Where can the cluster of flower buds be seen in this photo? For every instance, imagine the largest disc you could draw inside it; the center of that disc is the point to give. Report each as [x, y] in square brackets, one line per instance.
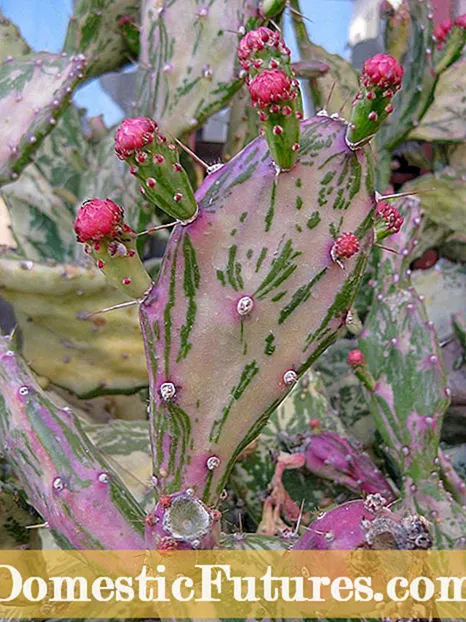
[154, 160]
[380, 80]
[388, 220]
[274, 91]
[100, 226]
[261, 47]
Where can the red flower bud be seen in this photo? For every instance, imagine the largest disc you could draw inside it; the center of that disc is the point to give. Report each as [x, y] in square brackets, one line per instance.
[460, 21]
[133, 134]
[269, 87]
[355, 358]
[383, 71]
[97, 219]
[389, 213]
[346, 245]
[441, 32]
[255, 40]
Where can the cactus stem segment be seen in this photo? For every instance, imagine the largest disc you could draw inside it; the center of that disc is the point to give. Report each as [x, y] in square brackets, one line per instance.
[380, 80]
[274, 92]
[100, 226]
[154, 161]
[450, 39]
[361, 370]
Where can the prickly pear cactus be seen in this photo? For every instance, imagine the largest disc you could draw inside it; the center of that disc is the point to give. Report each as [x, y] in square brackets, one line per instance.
[254, 274]
[306, 408]
[11, 42]
[215, 325]
[61, 471]
[92, 354]
[401, 367]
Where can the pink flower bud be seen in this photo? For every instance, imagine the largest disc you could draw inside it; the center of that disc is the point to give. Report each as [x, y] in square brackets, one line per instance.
[97, 219]
[355, 358]
[460, 21]
[441, 32]
[390, 215]
[269, 87]
[346, 245]
[383, 71]
[254, 41]
[133, 134]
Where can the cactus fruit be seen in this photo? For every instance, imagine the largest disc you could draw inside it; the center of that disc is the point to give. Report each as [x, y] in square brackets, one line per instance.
[100, 226]
[365, 524]
[68, 482]
[380, 80]
[331, 456]
[154, 160]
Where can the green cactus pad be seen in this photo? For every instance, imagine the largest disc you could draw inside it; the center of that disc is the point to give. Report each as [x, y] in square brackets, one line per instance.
[11, 42]
[94, 31]
[187, 62]
[34, 92]
[66, 479]
[102, 354]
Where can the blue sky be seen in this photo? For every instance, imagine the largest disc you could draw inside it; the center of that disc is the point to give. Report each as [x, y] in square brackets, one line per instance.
[43, 24]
